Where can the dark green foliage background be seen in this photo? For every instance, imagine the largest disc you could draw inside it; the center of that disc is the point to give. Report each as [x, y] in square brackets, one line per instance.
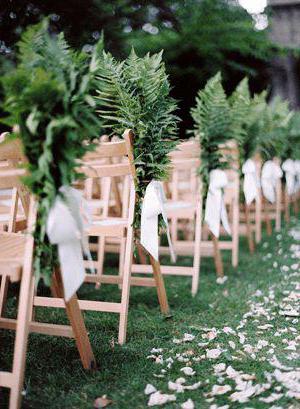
[200, 37]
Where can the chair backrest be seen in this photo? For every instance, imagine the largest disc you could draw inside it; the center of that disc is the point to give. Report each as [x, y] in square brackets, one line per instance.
[93, 168]
[11, 160]
[230, 153]
[112, 163]
[184, 180]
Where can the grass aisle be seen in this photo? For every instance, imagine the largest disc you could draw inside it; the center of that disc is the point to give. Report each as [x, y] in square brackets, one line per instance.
[236, 345]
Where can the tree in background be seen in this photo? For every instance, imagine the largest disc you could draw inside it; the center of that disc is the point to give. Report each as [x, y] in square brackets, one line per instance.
[200, 37]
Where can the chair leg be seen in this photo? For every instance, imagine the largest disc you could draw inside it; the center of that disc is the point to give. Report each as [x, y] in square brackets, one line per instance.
[122, 258]
[141, 253]
[125, 288]
[286, 207]
[235, 232]
[267, 220]
[217, 257]
[258, 215]
[21, 341]
[160, 286]
[77, 323]
[197, 254]
[3, 293]
[278, 206]
[249, 230]
[100, 259]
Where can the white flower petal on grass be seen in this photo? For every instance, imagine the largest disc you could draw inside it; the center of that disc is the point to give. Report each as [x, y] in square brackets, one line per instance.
[220, 390]
[219, 367]
[290, 313]
[159, 360]
[232, 373]
[188, 337]
[262, 343]
[274, 362]
[149, 389]
[158, 399]
[177, 387]
[214, 406]
[187, 370]
[193, 387]
[266, 326]
[156, 351]
[221, 280]
[242, 396]
[272, 398]
[213, 353]
[189, 404]
[241, 337]
[229, 330]
[203, 344]
[231, 344]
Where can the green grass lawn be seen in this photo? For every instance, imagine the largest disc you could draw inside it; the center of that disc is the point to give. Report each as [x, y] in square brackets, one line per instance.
[261, 285]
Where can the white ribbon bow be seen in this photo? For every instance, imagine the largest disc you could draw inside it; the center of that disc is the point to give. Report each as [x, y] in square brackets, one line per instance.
[297, 168]
[290, 175]
[152, 207]
[215, 209]
[250, 181]
[65, 227]
[270, 173]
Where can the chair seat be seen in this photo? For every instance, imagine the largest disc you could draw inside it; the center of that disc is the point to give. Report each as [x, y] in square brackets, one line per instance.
[179, 208]
[20, 224]
[12, 255]
[172, 205]
[113, 226]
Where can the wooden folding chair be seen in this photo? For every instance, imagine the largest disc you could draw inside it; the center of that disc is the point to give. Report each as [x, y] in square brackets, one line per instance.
[16, 256]
[213, 247]
[184, 211]
[251, 215]
[105, 227]
[273, 211]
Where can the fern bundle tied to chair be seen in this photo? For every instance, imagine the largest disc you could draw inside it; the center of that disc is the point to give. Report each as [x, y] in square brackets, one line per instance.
[215, 124]
[49, 96]
[135, 94]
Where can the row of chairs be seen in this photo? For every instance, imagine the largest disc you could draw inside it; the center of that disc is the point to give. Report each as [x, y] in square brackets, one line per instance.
[109, 189]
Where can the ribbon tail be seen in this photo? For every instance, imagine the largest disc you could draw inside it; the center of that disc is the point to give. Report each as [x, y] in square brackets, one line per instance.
[224, 218]
[87, 253]
[213, 212]
[163, 200]
[250, 188]
[268, 190]
[290, 183]
[149, 235]
[72, 267]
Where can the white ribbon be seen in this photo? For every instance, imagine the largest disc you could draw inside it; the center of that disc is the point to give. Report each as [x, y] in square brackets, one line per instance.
[65, 227]
[297, 168]
[290, 175]
[152, 207]
[250, 181]
[215, 209]
[270, 173]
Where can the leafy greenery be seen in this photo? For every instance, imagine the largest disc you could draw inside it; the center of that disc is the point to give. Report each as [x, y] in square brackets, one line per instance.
[49, 96]
[186, 29]
[240, 106]
[292, 141]
[264, 127]
[134, 94]
[212, 120]
[273, 130]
